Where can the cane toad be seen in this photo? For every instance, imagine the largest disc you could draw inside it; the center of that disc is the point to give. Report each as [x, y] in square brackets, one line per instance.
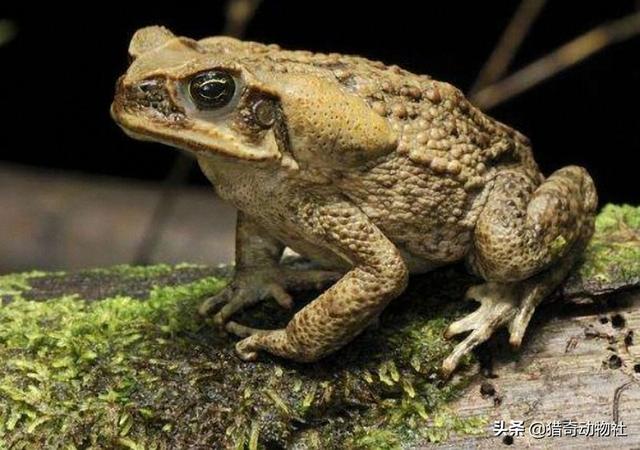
[369, 170]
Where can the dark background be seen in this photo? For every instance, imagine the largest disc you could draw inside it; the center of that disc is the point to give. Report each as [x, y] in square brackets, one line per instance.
[57, 75]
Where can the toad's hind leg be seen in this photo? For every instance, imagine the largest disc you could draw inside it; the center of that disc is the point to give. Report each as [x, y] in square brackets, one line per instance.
[526, 240]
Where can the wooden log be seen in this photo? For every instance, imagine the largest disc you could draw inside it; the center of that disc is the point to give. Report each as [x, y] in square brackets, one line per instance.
[580, 365]
[118, 358]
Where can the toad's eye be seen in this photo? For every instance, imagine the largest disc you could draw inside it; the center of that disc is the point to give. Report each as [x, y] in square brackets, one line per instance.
[211, 90]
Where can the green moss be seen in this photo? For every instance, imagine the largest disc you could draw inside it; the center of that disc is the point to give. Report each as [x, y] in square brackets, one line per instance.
[376, 438]
[70, 363]
[15, 284]
[612, 216]
[612, 258]
[146, 372]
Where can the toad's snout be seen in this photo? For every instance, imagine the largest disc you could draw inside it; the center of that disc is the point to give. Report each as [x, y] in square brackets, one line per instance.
[143, 108]
[148, 96]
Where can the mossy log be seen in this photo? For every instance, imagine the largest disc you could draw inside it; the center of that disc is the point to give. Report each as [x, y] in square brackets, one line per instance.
[118, 358]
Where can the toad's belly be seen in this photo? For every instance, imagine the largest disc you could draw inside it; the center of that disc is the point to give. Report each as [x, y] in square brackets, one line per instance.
[430, 234]
[434, 243]
[432, 255]
[330, 261]
[432, 218]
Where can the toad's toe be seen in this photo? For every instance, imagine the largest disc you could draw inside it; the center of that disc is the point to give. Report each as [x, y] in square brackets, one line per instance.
[498, 306]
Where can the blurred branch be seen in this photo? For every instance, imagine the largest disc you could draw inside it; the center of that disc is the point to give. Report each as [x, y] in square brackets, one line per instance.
[558, 60]
[163, 209]
[509, 43]
[238, 15]
[8, 31]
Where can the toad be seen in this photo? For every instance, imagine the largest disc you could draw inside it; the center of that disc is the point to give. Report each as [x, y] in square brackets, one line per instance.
[368, 170]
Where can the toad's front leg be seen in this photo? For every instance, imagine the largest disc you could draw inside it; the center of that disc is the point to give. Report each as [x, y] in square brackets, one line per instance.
[259, 276]
[378, 274]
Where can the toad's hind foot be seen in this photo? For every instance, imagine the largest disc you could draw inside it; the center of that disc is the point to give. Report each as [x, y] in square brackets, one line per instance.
[499, 306]
[510, 304]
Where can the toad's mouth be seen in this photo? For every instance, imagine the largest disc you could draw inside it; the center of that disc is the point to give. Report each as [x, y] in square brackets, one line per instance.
[191, 135]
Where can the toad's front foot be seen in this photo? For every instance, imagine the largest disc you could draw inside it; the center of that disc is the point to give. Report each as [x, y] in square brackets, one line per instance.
[252, 285]
[501, 304]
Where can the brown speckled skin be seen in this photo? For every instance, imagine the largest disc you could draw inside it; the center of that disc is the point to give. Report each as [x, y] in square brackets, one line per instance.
[369, 170]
